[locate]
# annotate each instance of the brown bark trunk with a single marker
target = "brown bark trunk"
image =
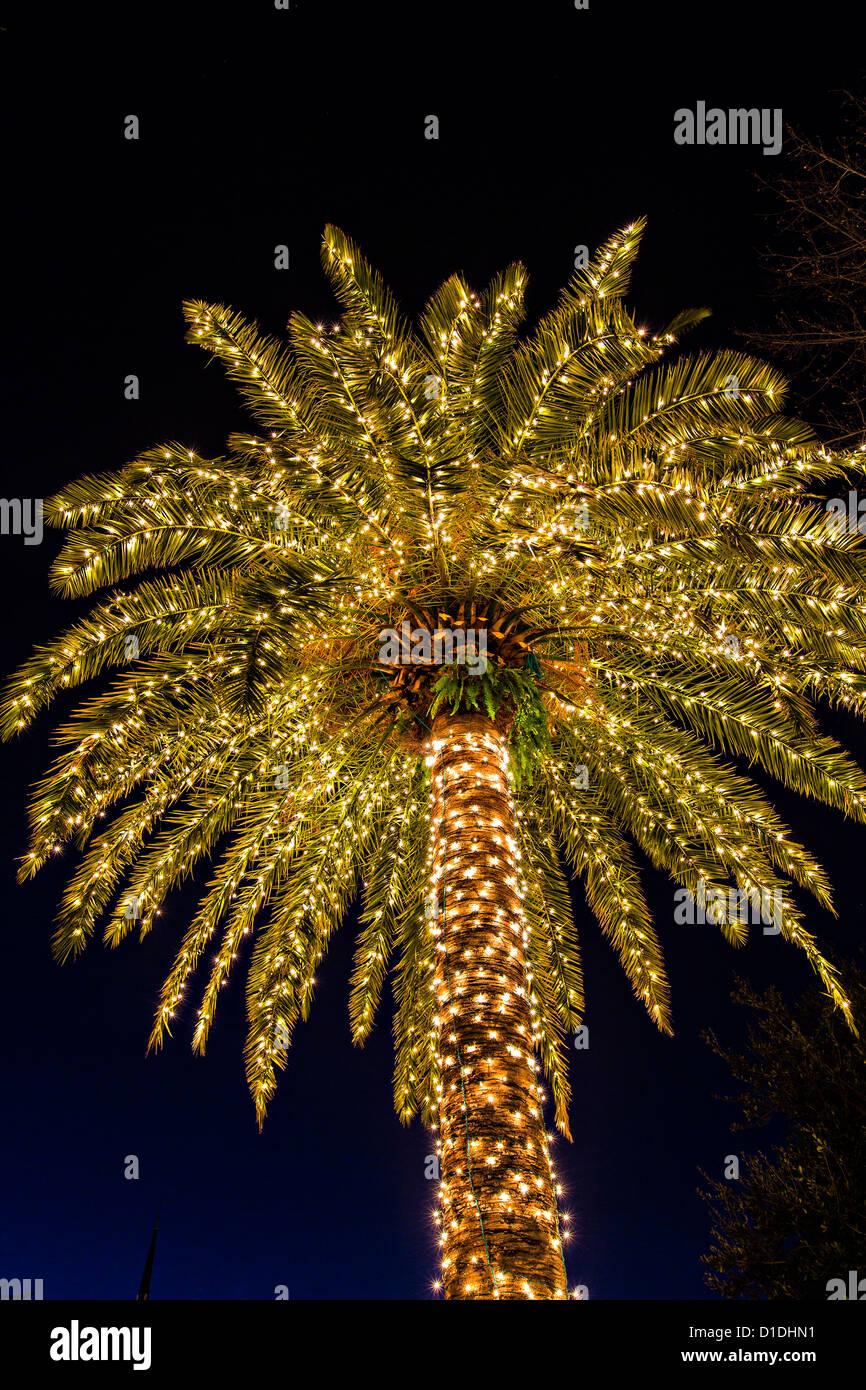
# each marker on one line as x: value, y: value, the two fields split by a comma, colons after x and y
x: 498, y: 1209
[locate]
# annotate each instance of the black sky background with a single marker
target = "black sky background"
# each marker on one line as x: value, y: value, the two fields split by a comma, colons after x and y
x: 257, y: 127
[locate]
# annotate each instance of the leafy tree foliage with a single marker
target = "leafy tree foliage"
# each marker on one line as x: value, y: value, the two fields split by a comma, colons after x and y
x: 796, y: 1217
x: 638, y: 530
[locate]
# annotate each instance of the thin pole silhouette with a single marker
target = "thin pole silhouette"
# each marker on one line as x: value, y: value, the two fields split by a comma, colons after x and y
x: 144, y: 1288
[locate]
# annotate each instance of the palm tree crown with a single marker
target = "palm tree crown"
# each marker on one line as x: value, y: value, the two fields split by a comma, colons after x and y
x: 644, y: 545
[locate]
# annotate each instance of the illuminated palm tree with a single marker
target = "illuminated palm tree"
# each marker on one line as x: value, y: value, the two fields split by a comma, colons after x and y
x: 627, y: 556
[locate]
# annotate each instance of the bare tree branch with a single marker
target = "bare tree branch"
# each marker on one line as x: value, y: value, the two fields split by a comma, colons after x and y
x: 816, y: 259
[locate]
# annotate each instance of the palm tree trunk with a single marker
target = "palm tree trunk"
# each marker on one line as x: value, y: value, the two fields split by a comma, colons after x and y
x: 498, y: 1210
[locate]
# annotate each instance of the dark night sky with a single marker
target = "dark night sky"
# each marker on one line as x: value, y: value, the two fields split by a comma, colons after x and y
x: 257, y: 128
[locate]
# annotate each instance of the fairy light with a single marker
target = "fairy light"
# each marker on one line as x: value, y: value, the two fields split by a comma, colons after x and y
x: 645, y: 537
x: 492, y: 1130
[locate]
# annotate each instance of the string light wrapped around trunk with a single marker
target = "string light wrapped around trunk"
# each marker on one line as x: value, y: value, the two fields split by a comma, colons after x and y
x: 500, y: 1228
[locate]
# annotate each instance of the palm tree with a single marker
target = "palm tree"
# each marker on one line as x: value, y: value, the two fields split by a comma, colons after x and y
x: 660, y: 596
